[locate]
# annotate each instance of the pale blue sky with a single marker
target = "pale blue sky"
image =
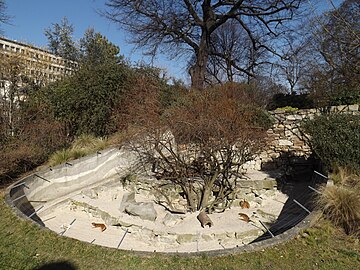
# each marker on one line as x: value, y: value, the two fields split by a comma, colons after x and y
x: 31, y: 17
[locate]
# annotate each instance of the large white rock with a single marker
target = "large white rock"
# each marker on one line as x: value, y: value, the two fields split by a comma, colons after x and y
x: 144, y: 210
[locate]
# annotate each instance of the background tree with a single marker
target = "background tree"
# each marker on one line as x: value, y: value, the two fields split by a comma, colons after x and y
x: 12, y: 74
x: 85, y: 101
x: 60, y: 39
x: 20, y: 74
x: 334, y: 72
x: 96, y: 49
x: 232, y: 57
x: 291, y: 67
x: 188, y: 26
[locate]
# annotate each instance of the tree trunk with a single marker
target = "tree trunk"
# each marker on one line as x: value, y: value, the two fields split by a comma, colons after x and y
x: 11, y: 110
x: 207, y: 191
x: 190, y: 196
x: 198, y: 70
x: 206, y: 195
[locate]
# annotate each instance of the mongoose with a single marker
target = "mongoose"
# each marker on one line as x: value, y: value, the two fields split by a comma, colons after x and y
x: 244, y: 204
x: 244, y: 217
x: 99, y: 225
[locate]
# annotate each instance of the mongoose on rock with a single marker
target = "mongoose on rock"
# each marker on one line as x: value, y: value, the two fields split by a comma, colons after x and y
x: 244, y: 217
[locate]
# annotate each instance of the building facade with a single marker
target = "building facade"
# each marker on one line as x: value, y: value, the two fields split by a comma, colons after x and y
x: 31, y: 64
x: 24, y: 67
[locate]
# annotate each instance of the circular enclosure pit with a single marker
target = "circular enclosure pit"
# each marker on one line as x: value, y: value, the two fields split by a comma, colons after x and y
x: 71, y: 198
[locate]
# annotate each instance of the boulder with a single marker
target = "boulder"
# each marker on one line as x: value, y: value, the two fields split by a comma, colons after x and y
x: 267, y: 183
x: 144, y: 210
x: 285, y: 143
x: 126, y: 200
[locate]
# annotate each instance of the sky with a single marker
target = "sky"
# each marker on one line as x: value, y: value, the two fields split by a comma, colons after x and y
x: 30, y: 18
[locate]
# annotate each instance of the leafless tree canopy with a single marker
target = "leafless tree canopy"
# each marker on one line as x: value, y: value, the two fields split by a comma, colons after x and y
x: 199, y: 143
x: 232, y: 57
x: 333, y: 71
x: 291, y: 67
x: 182, y: 26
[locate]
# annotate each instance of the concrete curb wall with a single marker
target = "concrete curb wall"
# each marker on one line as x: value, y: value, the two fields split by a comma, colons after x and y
x: 54, y: 184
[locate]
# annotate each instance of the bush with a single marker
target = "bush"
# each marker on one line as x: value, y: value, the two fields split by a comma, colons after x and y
x: 301, y: 101
x: 85, y: 101
x: 36, y: 136
x: 345, y: 98
x: 335, y: 139
x: 18, y: 156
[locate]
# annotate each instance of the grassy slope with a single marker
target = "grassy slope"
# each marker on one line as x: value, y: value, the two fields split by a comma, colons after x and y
x: 24, y: 245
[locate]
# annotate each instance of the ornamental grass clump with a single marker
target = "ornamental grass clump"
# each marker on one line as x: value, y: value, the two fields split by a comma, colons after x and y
x: 82, y: 146
x: 340, y: 203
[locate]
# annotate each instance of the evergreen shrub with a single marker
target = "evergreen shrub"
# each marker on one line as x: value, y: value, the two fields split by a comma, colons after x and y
x: 335, y: 139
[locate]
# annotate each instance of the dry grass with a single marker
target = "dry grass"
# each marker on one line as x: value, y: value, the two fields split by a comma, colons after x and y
x: 88, y: 142
x: 345, y: 176
x: 341, y: 203
x: 82, y: 146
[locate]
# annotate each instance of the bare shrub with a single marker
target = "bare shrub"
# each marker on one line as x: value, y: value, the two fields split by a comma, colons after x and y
x: 141, y: 104
x: 199, y: 143
x: 37, y: 135
x: 18, y: 157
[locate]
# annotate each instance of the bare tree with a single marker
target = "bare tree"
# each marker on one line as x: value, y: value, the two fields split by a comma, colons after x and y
x: 232, y: 57
x: 177, y: 27
x: 19, y: 74
x: 11, y: 75
x: 333, y: 71
x: 199, y: 143
x: 291, y: 67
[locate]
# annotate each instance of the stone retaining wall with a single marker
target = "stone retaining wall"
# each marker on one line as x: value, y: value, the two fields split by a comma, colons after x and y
x: 286, y: 144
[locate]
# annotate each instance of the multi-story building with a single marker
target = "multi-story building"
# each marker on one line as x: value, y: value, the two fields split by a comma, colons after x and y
x: 21, y: 66
x: 35, y: 64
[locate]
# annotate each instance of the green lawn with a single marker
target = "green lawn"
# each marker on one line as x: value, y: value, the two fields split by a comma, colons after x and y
x: 25, y: 246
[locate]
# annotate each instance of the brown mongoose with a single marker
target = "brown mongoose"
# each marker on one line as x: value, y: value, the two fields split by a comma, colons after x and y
x: 99, y: 225
x: 244, y: 204
x: 244, y: 217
